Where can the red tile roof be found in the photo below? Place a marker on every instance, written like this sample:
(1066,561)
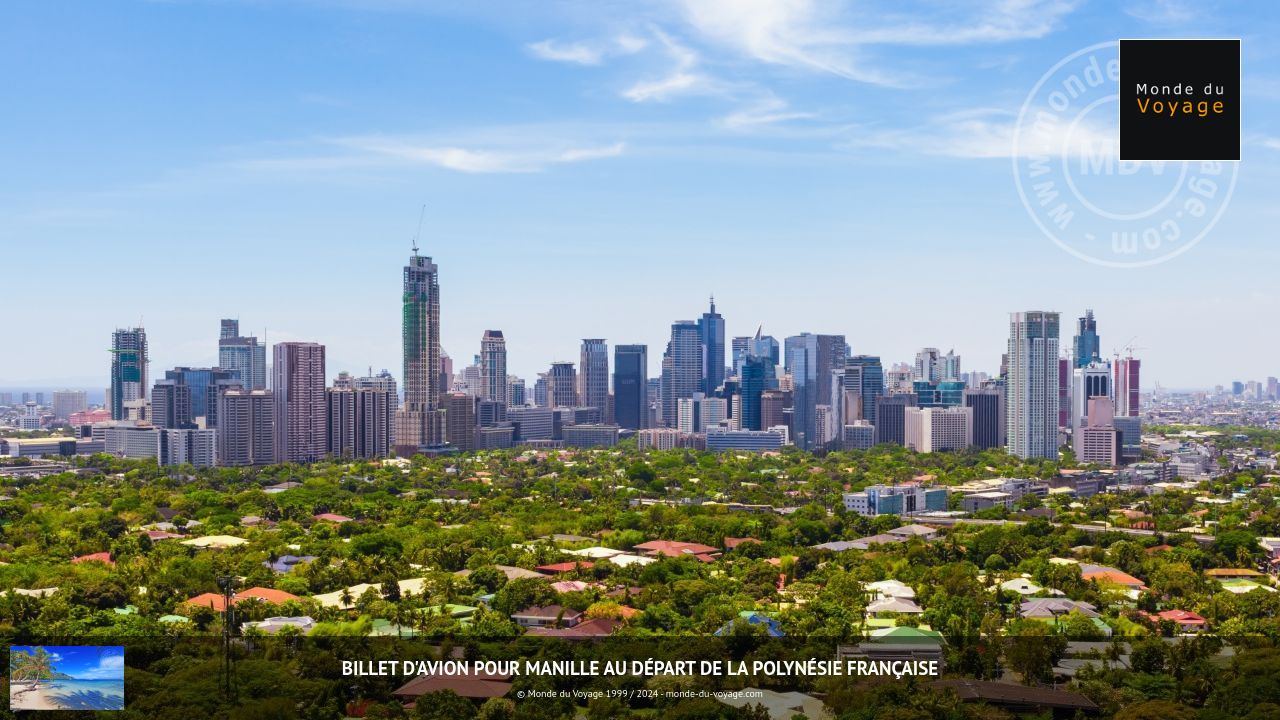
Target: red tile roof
(102,557)
(331,517)
(210,600)
(270,595)
(671,548)
(564,567)
(215,601)
(1114,577)
(733,542)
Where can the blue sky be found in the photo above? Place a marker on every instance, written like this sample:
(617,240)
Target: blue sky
(83,662)
(589,170)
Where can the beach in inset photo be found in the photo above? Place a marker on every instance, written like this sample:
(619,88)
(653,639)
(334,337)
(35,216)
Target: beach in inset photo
(66,677)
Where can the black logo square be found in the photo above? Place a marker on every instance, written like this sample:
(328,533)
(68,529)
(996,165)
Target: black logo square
(1179,99)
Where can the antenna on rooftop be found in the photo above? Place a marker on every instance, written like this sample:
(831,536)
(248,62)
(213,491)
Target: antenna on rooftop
(418,234)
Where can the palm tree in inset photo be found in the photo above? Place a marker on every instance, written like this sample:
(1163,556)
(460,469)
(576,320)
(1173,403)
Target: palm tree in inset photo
(32,665)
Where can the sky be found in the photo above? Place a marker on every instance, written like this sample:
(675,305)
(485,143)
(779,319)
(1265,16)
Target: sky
(592,169)
(83,662)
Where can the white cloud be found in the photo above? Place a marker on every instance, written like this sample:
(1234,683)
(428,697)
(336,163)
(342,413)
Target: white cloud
(587,53)
(682,79)
(470,160)
(767,111)
(110,667)
(829,37)
(989,133)
(1163,12)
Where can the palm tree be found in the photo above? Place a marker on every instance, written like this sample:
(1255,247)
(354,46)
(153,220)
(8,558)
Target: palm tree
(34,665)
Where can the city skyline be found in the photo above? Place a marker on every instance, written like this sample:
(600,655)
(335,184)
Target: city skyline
(655,157)
(333,370)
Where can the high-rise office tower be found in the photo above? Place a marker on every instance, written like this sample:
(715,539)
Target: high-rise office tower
(891,418)
(1086,346)
(1065,367)
(243,355)
(128,369)
(630,386)
(988,406)
(1032,385)
(711,337)
(870,376)
(928,368)
(67,402)
(562,385)
(1088,382)
(811,360)
(203,383)
(1128,386)
(765,346)
(775,406)
(298,389)
(171,405)
(516,392)
(949,366)
(493,367)
(739,348)
(753,382)
(417,422)
(681,368)
(246,426)
(593,374)
(460,421)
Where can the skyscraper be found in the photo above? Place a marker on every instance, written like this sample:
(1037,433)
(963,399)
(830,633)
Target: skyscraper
(1128,386)
(417,423)
(340,418)
(562,382)
(593,374)
(754,378)
(460,421)
(245,434)
(1088,382)
(811,359)
(203,383)
(871,387)
(928,368)
(681,368)
(630,386)
(171,405)
(68,402)
(1032,386)
(300,409)
(891,418)
(711,338)
(242,355)
(988,406)
(1086,346)
(128,369)
(493,367)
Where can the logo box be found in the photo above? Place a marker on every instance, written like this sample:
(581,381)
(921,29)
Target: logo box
(1180,100)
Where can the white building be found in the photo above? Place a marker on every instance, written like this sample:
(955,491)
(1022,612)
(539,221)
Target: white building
(938,429)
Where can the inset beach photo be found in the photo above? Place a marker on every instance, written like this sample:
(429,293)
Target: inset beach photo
(66,677)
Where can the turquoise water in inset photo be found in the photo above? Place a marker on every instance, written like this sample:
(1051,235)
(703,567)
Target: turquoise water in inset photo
(86,694)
